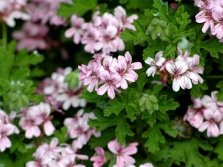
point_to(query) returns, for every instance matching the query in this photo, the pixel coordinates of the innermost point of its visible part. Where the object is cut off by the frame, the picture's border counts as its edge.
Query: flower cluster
(45, 11)
(183, 70)
(211, 15)
(32, 36)
(57, 93)
(52, 155)
(206, 114)
(79, 129)
(111, 72)
(34, 32)
(12, 9)
(122, 155)
(34, 117)
(102, 32)
(6, 129)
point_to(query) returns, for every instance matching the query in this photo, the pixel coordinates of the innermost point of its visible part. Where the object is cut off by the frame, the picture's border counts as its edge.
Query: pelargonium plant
(125, 83)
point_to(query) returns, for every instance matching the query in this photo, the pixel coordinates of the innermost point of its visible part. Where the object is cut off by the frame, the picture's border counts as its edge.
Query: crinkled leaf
(218, 148)
(187, 151)
(92, 97)
(6, 63)
(102, 141)
(220, 93)
(213, 46)
(101, 123)
(25, 59)
(17, 143)
(115, 106)
(182, 18)
(136, 36)
(198, 90)
(61, 134)
(79, 7)
(155, 137)
(166, 105)
(122, 130)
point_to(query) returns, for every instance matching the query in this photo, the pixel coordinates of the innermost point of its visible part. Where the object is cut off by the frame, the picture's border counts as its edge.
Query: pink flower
(90, 37)
(11, 10)
(120, 14)
(44, 113)
(123, 153)
(30, 121)
(111, 82)
(99, 159)
(76, 30)
(212, 117)
(5, 130)
(31, 36)
(154, 63)
(177, 71)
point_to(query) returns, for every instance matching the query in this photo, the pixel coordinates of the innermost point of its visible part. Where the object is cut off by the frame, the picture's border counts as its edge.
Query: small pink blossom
(154, 63)
(76, 30)
(99, 159)
(123, 153)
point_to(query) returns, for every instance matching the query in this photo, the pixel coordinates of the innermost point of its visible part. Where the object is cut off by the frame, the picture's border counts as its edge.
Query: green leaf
(24, 59)
(166, 105)
(138, 4)
(102, 141)
(141, 81)
(79, 7)
(17, 143)
(213, 46)
(115, 106)
(72, 80)
(92, 97)
(136, 36)
(182, 18)
(155, 137)
(61, 134)
(6, 63)
(5, 160)
(122, 130)
(154, 47)
(198, 90)
(131, 112)
(220, 93)
(101, 123)
(187, 151)
(218, 148)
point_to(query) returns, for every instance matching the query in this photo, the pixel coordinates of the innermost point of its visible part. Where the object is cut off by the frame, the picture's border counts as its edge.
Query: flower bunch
(52, 155)
(111, 72)
(45, 11)
(57, 93)
(211, 15)
(78, 128)
(32, 36)
(122, 155)
(183, 70)
(12, 9)
(34, 117)
(6, 129)
(206, 114)
(102, 32)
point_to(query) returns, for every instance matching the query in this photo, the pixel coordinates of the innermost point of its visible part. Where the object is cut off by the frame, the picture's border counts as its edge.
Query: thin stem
(213, 76)
(4, 35)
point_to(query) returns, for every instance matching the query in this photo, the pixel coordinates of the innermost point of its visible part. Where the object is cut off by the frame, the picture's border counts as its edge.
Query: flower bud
(72, 80)
(148, 103)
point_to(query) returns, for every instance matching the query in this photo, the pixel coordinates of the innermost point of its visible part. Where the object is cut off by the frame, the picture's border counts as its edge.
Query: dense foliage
(118, 83)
